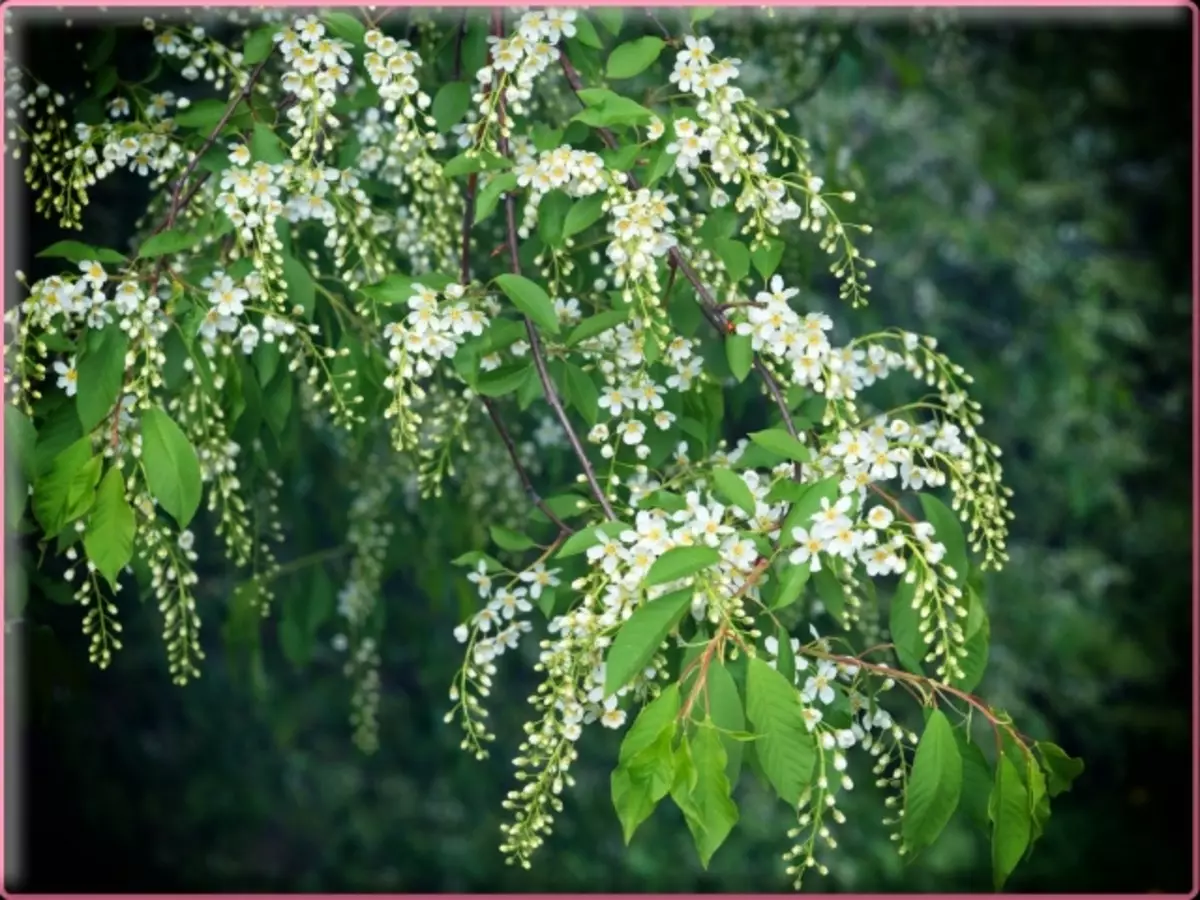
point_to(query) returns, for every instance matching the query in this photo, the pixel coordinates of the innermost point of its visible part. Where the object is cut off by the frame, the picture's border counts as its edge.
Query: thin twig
(535, 343)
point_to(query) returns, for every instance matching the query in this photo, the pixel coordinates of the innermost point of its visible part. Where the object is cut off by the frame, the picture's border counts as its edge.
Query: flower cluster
(434, 328)
(319, 67)
(514, 64)
(578, 173)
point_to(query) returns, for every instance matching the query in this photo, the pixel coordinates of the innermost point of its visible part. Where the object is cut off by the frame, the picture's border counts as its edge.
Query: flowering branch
(535, 343)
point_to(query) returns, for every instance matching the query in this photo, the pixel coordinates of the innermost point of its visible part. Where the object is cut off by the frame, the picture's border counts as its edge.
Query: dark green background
(1028, 180)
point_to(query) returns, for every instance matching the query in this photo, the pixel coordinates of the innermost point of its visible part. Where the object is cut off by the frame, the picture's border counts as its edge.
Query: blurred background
(1028, 180)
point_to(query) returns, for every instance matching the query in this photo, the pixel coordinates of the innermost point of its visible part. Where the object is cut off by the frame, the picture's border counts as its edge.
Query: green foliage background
(1028, 187)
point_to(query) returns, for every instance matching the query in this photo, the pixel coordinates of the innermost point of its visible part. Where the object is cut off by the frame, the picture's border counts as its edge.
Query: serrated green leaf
(680, 562)
(732, 488)
(786, 750)
(810, 503)
(583, 393)
(610, 19)
(172, 469)
(713, 812)
(934, 785)
(475, 161)
(640, 637)
(101, 372)
(108, 539)
(977, 780)
(529, 297)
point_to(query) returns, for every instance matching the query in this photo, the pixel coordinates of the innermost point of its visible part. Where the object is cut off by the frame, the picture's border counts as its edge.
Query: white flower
(481, 579)
(461, 634)
(819, 686)
(612, 717)
(68, 378)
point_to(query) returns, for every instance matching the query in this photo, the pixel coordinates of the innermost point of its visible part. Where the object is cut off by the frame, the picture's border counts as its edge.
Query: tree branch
(535, 343)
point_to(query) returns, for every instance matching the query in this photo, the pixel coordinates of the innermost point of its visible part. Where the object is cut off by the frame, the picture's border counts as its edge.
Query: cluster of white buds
(319, 67)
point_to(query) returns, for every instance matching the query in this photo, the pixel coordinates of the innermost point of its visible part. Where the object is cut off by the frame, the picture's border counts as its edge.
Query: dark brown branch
(177, 204)
(535, 343)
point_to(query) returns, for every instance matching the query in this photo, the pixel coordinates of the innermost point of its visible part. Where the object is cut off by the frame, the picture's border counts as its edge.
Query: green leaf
(582, 214)
(507, 539)
(101, 373)
(167, 242)
(730, 486)
(450, 104)
(489, 197)
(656, 717)
(786, 750)
(20, 441)
(720, 701)
(934, 785)
(345, 26)
(791, 585)
(266, 146)
(585, 32)
(504, 380)
(108, 539)
(589, 537)
(100, 50)
(529, 297)
(766, 257)
(258, 45)
(779, 442)
(831, 592)
(680, 562)
(106, 80)
(978, 633)
(735, 257)
(947, 530)
(172, 469)
(977, 781)
(785, 664)
(634, 57)
(67, 488)
(472, 558)
(604, 108)
(551, 216)
(77, 253)
(1061, 768)
(904, 623)
(640, 637)
(301, 290)
(597, 324)
(712, 813)
(610, 18)
(584, 395)
(202, 114)
(1008, 808)
(639, 783)
(702, 13)
(662, 164)
(739, 351)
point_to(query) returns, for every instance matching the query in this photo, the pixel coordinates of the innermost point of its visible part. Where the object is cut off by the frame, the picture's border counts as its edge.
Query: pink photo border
(997, 4)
